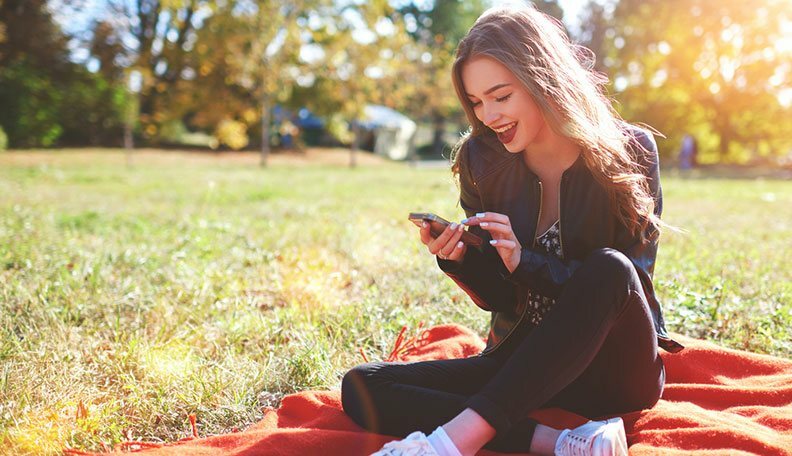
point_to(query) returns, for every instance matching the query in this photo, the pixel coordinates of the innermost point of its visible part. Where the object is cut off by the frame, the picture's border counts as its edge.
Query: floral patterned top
(538, 304)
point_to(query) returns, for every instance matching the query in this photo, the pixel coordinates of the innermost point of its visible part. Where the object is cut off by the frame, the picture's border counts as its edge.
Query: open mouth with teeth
(506, 132)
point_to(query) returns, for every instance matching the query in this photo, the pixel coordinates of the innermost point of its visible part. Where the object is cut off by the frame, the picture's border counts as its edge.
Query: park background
(152, 268)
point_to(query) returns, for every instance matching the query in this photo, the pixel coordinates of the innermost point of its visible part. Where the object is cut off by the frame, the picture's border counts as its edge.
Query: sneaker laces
(414, 444)
(576, 445)
(595, 438)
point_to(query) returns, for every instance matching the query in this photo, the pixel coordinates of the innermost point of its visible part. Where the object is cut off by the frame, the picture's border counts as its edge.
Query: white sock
(560, 439)
(442, 443)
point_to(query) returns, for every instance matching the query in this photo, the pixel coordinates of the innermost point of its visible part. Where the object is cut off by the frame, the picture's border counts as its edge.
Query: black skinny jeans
(594, 353)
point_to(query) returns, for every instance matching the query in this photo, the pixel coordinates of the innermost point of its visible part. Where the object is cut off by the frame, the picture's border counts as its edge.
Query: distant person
(568, 196)
(688, 153)
(288, 134)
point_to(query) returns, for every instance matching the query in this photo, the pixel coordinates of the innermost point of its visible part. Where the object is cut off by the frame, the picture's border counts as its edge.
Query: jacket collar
(494, 152)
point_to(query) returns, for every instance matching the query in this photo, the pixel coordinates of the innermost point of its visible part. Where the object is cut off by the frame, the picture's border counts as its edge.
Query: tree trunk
(438, 143)
(130, 116)
(265, 130)
(129, 144)
(355, 144)
(725, 141)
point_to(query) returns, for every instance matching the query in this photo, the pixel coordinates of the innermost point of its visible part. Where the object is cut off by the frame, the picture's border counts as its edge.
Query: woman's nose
(490, 115)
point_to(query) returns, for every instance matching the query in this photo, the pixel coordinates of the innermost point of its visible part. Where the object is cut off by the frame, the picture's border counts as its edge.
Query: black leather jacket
(494, 180)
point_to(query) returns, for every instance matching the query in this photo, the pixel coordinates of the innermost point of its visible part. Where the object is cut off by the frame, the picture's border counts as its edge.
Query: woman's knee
(611, 266)
(356, 392)
(607, 281)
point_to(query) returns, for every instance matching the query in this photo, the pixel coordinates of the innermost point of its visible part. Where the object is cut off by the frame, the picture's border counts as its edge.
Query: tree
(366, 60)
(32, 51)
(243, 58)
(269, 39)
(163, 33)
(30, 34)
(106, 46)
(438, 29)
(711, 67)
(355, 55)
(46, 98)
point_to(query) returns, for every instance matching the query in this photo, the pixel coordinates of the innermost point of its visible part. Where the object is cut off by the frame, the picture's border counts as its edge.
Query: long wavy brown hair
(559, 76)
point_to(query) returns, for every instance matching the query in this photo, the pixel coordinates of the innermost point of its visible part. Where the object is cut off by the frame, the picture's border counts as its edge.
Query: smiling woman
(505, 107)
(568, 196)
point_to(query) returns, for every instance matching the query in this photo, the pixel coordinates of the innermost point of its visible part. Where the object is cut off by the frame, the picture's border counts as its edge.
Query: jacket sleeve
(643, 253)
(542, 272)
(481, 272)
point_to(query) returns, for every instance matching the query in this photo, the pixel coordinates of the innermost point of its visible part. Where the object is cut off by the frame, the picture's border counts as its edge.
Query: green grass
(214, 287)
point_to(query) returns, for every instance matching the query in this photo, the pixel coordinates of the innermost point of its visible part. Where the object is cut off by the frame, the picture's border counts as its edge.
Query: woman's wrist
(514, 260)
(450, 260)
(451, 265)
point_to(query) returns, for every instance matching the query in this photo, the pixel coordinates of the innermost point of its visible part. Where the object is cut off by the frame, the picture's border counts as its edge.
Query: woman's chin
(513, 147)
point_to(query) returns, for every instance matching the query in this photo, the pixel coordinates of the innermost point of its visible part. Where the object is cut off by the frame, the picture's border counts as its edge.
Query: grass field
(131, 297)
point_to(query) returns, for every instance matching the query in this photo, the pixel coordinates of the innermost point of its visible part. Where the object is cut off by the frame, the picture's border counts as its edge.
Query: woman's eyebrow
(495, 87)
(492, 89)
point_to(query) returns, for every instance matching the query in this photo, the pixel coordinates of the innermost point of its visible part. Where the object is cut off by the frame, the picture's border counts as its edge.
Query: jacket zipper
(525, 307)
(560, 196)
(538, 214)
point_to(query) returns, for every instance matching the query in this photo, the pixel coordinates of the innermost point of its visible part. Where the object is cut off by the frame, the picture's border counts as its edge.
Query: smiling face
(503, 104)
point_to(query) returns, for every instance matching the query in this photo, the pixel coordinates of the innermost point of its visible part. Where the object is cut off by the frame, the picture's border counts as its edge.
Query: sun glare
(172, 362)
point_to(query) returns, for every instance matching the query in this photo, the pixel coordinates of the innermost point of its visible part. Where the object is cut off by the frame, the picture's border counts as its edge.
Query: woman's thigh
(626, 374)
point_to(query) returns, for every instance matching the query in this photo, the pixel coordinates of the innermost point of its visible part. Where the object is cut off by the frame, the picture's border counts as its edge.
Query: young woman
(568, 196)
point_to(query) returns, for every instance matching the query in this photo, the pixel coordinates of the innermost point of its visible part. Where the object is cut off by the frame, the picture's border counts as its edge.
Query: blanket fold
(717, 401)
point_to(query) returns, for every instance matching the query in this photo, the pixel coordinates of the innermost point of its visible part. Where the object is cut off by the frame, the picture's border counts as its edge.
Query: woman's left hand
(503, 238)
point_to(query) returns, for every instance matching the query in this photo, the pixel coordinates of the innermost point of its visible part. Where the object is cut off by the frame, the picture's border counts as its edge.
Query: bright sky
(76, 21)
(572, 9)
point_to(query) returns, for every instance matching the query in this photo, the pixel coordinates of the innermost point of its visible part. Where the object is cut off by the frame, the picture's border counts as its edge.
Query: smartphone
(438, 224)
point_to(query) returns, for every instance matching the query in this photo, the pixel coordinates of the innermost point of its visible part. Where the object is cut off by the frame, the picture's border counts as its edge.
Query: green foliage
(92, 109)
(30, 113)
(337, 126)
(232, 133)
(43, 111)
(46, 99)
(173, 131)
(706, 67)
(28, 32)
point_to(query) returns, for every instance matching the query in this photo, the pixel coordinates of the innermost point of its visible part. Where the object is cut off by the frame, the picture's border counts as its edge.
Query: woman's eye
(503, 98)
(476, 104)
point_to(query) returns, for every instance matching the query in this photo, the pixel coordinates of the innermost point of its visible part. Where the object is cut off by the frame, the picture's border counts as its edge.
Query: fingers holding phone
(503, 238)
(447, 240)
(448, 244)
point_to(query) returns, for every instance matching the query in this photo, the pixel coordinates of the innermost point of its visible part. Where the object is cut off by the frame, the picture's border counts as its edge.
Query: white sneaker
(595, 438)
(414, 444)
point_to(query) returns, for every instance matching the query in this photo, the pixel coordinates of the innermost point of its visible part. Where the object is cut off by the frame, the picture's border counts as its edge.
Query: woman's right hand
(447, 245)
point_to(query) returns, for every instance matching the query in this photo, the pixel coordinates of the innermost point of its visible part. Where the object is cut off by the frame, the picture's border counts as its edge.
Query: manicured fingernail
(480, 214)
(493, 242)
(424, 224)
(460, 227)
(453, 226)
(463, 221)
(460, 244)
(483, 224)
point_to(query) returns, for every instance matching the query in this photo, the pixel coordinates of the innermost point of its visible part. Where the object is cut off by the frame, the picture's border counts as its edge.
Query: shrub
(232, 133)
(3, 140)
(31, 105)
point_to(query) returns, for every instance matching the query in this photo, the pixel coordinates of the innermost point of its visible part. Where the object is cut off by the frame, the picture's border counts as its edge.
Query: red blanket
(716, 402)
